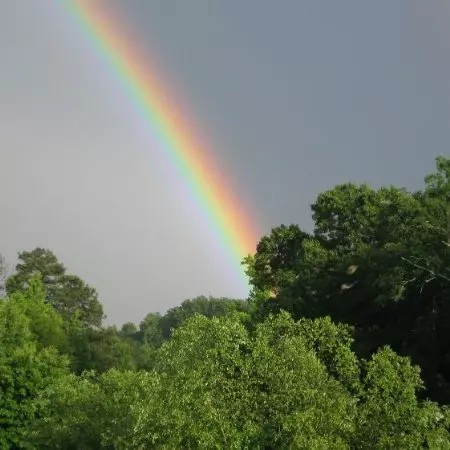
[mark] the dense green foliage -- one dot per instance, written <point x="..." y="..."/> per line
<point x="377" y="259"/>
<point x="344" y="342"/>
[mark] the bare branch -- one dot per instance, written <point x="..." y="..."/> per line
<point x="426" y="269"/>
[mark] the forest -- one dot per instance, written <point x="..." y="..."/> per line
<point x="342" y="343"/>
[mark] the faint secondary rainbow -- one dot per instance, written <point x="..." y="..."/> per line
<point x="227" y="219"/>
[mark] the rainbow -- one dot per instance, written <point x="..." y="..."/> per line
<point x="227" y="219"/>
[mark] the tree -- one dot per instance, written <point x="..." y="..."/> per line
<point x="90" y="411"/>
<point x="30" y="262"/>
<point x="66" y="293"/>
<point x="45" y="324"/>
<point x="285" y="270"/>
<point x="150" y="330"/>
<point x="218" y="384"/>
<point x="285" y="384"/>
<point x="206" y="306"/>
<point x="350" y="217"/>
<point x="27" y="364"/>
<point x="129" y="330"/>
<point x="390" y="414"/>
<point x="71" y="417"/>
<point x="154" y="329"/>
<point x="71" y="295"/>
<point x="377" y="260"/>
<point x="100" y="349"/>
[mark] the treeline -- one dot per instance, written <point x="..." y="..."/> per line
<point x="344" y="342"/>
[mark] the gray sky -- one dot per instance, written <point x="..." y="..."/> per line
<point x="293" y="96"/>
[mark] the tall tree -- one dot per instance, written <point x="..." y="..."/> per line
<point x="66" y="293"/>
<point x="30" y="262"/>
<point x="378" y="260"/>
